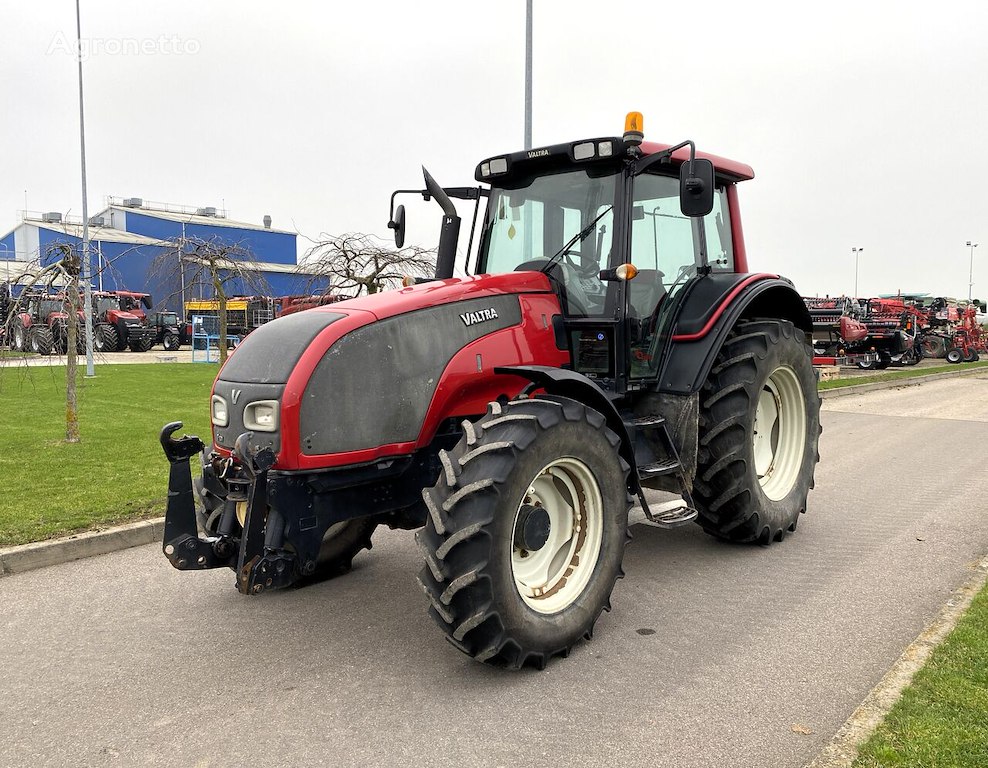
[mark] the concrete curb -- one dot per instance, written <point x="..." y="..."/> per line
<point x="40" y="554"/>
<point x="843" y="748"/>
<point x="856" y="389"/>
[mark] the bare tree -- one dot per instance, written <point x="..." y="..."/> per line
<point x="192" y="261"/>
<point x="357" y="262"/>
<point x="64" y="271"/>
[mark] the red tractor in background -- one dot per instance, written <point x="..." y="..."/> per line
<point x="114" y="328"/>
<point x="41" y="324"/>
<point x="609" y="339"/>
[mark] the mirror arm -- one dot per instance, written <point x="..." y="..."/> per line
<point x="642" y="165"/>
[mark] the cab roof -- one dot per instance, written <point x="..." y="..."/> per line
<point x="516" y="164"/>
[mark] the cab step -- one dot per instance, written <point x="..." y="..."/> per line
<point x="655" y="469"/>
<point x="672" y="518"/>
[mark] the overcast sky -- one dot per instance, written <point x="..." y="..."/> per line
<point x="865" y="122"/>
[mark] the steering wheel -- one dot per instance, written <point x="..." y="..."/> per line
<point x="577" y="298"/>
<point x="574" y="260"/>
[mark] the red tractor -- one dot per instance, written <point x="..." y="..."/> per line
<point x="40" y="323"/>
<point x="115" y="328"/>
<point x="609" y="340"/>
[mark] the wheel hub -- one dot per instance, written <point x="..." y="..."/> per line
<point x="532" y="529"/>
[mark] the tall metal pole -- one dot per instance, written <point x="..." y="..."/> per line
<point x="856" y="252"/>
<point x="528" y="74"/>
<point x="86" y="279"/>
<point x="970" y="277"/>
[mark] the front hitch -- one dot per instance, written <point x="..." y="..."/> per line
<point x="181" y="543"/>
<point x="241" y="481"/>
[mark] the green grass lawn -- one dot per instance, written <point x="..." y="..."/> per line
<point x="898" y="373"/>
<point x="941" y="721"/>
<point x="118" y="471"/>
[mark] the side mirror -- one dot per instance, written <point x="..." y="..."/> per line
<point x="398" y="225"/>
<point x="696" y="191"/>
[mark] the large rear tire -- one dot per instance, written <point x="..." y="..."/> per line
<point x="758" y="434"/>
<point x="526" y="531"/>
<point x="169" y="341"/>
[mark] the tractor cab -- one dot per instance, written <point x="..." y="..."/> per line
<point x="622" y="229"/>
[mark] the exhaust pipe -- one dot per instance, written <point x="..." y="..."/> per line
<point x="449" y="235"/>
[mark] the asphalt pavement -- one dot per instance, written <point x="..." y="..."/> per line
<point x="714" y="655"/>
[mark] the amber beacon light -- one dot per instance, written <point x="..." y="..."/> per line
<point x="634" y="128"/>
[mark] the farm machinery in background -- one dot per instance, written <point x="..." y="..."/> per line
<point x="968" y="340"/>
<point x="243" y="313"/>
<point x="115" y="328"/>
<point x="878" y="332"/>
<point x="39" y="322"/>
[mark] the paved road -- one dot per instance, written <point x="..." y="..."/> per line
<point x="713" y="654"/>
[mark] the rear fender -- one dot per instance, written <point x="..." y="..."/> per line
<point x="691" y="355"/>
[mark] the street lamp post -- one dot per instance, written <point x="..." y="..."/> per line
<point x="856" y="251"/>
<point x="970" y="277"/>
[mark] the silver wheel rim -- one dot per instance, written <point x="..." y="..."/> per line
<point x="779" y="433"/>
<point x="553" y="577"/>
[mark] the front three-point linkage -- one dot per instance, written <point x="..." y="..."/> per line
<point x="241" y="481"/>
<point x="181" y="543"/>
<point x="261" y="564"/>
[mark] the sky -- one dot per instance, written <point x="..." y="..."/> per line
<point x="865" y="122"/>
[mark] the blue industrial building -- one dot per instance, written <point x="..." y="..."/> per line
<point x="131" y="238"/>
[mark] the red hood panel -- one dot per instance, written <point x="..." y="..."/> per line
<point x="391" y="303"/>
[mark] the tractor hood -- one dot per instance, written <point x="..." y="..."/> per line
<point x="354" y="380"/>
<point x="118" y="315"/>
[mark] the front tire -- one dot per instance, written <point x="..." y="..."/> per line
<point x="955" y="355"/>
<point x="141" y="344"/>
<point x="106" y="339"/>
<point x="526" y="531"/>
<point x="42" y="341"/>
<point x="758" y="434"/>
<point x="341" y="543"/>
<point x="20" y="334"/>
<point x="169" y="341"/>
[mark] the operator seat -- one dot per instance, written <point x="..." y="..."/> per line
<point x="647" y="291"/>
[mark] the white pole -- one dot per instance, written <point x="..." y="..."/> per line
<point x="528" y="74"/>
<point x="86" y="279"/>
<point x="970" y="277"/>
<point x="856" y="252"/>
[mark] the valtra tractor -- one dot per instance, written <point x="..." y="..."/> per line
<point x="610" y="340"/>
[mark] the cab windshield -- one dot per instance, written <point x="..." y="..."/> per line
<point x="529" y="220"/>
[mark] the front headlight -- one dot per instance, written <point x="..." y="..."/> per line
<point x="218" y="411"/>
<point x="262" y="416"/>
